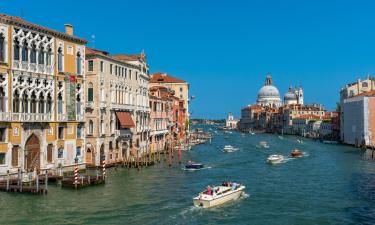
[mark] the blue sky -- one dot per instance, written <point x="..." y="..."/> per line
<point x="225" y="49"/>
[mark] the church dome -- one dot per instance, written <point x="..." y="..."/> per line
<point x="268" y="91"/>
<point x="290" y="96"/>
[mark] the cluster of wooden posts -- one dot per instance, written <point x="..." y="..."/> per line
<point x="150" y="158"/>
<point x="37" y="183"/>
<point x="26" y="182"/>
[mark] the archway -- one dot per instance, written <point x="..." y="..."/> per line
<point x="32" y="153"/>
<point x="89" y="156"/>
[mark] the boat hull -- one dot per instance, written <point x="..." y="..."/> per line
<point x="209" y="203"/>
<point x="194" y="166"/>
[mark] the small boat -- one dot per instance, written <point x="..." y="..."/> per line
<point x="264" y="144"/>
<point x="281" y="137"/>
<point x="331" y="142"/>
<point x="229" y="148"/>
<point x="252" y="133"/>
<point x="193" y="166"/>
<point x="300" y="141"/>
<point x="214" y="196"/>
<point x="296" y="153"/>
<point x="273" y="159"/>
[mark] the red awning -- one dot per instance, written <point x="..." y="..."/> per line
<point x="125" y="119"/>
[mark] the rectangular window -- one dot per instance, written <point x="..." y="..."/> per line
<point x="78" y="151"/>
<point x="49" y="153"/>
<point x="91" y="65"/>
<point x="115" y="70"/>
<point x="2" y="134"/>
<point x="61" y="133"/>
<point x="79" y="132"/>
<point x="130" y="74"/>
<point x="2" y="158"/>
<point x="125" y="71"/>
<point x="101" y="66"/>
<point x="15" y="156"/>
<point x="110" y="68"/>
<point x="60" y="153"/>
<point x="90" y="93"/>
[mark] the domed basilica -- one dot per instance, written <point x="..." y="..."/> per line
<point x="269" y="95"/>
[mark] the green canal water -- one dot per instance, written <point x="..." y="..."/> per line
<point x="332" y="184"/>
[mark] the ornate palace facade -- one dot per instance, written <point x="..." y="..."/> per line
<point x="41" y="83"/>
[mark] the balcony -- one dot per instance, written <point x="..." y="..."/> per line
<point x="125" y="134"/>
<point x="32" y="67"/>
<point x="103" y="104"/>
<point x="25" y="117"/>
<point x="116" y="106"/>
<point x="159" y="132"/>
<point x="62" y="117"/>
<point x="80" y="117"/>
<point x="90" y="105"/>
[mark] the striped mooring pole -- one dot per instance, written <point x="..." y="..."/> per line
<point x="76" y="176"/>
<point x="103" y="169"/>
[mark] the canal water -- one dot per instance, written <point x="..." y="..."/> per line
<point x="332" y="184"/>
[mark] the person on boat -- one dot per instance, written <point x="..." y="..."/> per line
<point x="234" y="186"/>
<point x="209" y="190"/>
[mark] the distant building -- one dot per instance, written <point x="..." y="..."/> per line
<point x="358" y="122"/>
<point x="269" y="95"/>
<point x="351" y="90"/>
<point x="230" y="122"/>
<point x="294" y="97"/>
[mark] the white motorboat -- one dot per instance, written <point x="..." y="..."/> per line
<point x="274" y="159"/>
<point x="229" y="148"/>
<point x="264" y="144"/>
<point x="218" y="195"/>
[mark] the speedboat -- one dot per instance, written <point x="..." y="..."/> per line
<point x="214" y="196"/>
<point x="273" y="159"/>
<point x="193" y="166"/>
<point x="296" y="153"/>
<point x="229" y="148"/>
<point x="264" y="144"/>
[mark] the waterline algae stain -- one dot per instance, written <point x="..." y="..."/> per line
<point x="331" y="184"/>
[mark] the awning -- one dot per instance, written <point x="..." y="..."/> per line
<point x="125" y="119"/>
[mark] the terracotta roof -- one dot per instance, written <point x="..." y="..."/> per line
<point x="16" y="20"/>
<point x="308" y="116"/>
<point x="125" y="119"/>
<point x="126" y="58"/>
<point x="164" y="78"/>
<point x="92" y="51"/>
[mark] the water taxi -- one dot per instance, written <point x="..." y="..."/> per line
<point x="190" y="165"/>
<point x="229" y="148"/>
<point x="214" y="196"/>
<point x="264" y="144"/>
<point x="296" y="153"/>
<point x="274" y="159"/>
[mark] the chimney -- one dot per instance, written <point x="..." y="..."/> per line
<point x="68" y="29"/>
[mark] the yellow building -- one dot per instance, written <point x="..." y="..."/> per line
<point x="41" y="90"/>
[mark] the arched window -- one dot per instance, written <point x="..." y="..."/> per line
<point x="16" y="50"/>
<point x="41" y="103"/>
<point x="79" y="63"/>
<point x="41" y="56"/>
<point x="16" y="102"/>
<point x="25" y="52"/>
<point x="60" y="59"/>
<point x="60" y="104"/>
<point x="91" y="127"/>
<point x="49" y="56"/>
<point x="2" y="100"/>
<point x="25" y="103"/>
<point x="33" y="53"/>
<point x="78" y="105"/>
<point x="2" y="48"/>
<point x="33" y="103"/>
<point x="49" y="104"/>
<point x="90" y="93"/>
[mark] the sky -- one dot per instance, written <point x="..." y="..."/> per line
<point x="224" y="49"/>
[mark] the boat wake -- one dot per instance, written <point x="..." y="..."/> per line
<point x="192" y="170"/>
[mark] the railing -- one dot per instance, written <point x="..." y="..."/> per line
<point x="79" y="117"/>
<point x="16" y="64"/>
<point x="32" y="67"/>
<point x="122" y="106"/>
<point x="41" y="68"/>
<point x="90" y="105"/>
<point x="27" y="117"/>
<point x="103" y="104"/>
<point x="24" y="65"/>
<point x="62" y="117"/>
